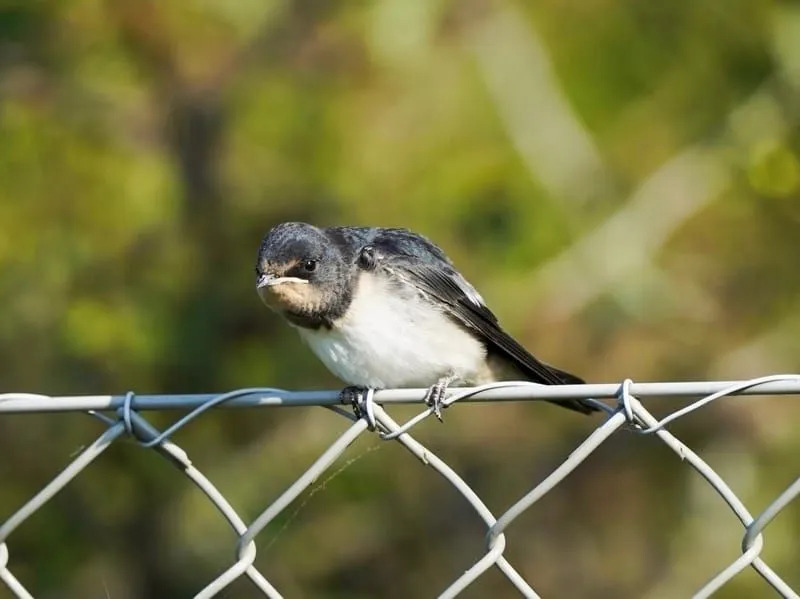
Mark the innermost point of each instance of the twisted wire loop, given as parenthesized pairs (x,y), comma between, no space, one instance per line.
(625,411)
(364,407)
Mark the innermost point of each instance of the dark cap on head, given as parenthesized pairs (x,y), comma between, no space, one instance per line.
(292,241)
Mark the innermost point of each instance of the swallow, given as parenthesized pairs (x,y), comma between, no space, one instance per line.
(385,308)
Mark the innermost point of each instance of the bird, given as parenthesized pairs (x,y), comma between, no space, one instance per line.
(386,308)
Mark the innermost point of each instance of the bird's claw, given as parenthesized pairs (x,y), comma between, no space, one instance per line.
(352,396)
(436,394)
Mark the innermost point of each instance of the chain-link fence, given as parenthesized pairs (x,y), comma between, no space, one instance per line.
(370,416)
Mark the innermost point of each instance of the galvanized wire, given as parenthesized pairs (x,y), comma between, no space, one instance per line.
(123,417)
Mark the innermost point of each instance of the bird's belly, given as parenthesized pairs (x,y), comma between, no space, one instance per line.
(392,342)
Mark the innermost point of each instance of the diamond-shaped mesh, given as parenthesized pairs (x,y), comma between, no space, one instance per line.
(370,416)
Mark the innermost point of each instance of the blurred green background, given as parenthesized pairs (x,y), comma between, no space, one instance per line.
(621,180)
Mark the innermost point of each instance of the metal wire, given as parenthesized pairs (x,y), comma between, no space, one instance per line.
(122,415)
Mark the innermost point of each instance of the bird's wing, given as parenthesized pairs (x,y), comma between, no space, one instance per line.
(422,264)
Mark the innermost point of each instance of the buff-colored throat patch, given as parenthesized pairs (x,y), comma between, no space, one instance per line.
(290,295)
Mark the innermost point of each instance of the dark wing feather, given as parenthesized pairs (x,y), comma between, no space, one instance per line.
(425,266)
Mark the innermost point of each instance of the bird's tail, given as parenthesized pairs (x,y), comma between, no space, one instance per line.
(566,377)
(579,405)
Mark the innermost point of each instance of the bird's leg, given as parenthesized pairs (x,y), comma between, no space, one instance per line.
(352,395)
(436,393)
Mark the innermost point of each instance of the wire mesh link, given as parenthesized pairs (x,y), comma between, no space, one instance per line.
(623,405)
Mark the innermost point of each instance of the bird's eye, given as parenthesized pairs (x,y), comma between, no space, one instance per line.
(367,259)
(310,265)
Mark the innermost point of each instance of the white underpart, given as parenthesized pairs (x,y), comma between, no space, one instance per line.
(390,338)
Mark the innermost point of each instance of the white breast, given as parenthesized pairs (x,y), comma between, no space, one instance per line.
(392,337)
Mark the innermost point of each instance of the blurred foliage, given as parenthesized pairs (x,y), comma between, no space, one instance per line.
(146,148)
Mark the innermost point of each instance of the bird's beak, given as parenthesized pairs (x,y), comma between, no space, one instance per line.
(266,280)
(270,280)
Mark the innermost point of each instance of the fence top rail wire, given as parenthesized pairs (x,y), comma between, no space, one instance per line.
(261,397)
(619,400)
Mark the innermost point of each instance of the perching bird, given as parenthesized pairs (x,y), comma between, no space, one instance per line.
(385,308)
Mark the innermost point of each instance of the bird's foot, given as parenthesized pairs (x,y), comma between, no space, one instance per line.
(436,394)
(353,396)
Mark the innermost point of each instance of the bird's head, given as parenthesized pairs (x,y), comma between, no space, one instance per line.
(303,274)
